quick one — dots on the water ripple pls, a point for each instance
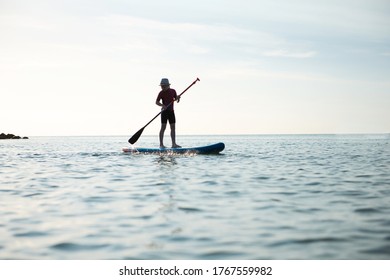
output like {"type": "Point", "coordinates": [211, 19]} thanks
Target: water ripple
{"type": "Point", "coordinates": [31, 234]}
{"type": "Point", "coordinates": [68, 246]}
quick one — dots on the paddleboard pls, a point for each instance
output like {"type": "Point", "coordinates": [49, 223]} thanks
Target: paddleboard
{"type": "Point", "coordinates": [210, 149]}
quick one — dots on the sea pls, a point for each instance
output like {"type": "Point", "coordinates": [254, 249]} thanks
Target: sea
{"type": "Point", "coordinates": [269, 197]}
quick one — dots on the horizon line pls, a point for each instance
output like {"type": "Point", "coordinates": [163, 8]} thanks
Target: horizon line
{"type": "Point", "coordinates": [218, 134]}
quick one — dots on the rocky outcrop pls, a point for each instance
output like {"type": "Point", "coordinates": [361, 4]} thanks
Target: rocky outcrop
{"type": "Point", "coordinates": [11, 136]}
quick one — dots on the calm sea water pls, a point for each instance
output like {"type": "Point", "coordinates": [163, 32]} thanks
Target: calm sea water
{"type": "Point", "coordinates": [264, 197]}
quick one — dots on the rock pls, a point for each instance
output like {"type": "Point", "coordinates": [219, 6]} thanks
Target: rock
{"type": "Point", "coordinates": [11, 136]}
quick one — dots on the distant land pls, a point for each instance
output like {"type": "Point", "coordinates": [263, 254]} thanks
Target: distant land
{"type": "Point", "coordinates": [11, 136]}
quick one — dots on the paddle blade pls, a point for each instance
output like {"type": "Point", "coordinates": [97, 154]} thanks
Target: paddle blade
{"type": "Point", "coordinates": [136, 136]}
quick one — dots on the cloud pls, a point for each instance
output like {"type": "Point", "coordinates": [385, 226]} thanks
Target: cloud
{"type": "Point", "coordinates": [132, 38]}
{"type": "Point", "coordinates": [198, 50]}
{"type": "Point", "coordinates": [27, 22]}
{"type": "Point", "coordinates": [212, 40]}
{"type": "Point", "coordinates": [291, 54]}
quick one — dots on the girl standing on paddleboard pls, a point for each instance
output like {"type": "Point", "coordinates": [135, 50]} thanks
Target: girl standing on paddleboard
{"type": "Point", "coordinates": [167, 95]}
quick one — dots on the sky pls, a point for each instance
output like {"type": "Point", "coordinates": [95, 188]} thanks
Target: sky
{"type": "Point", "coordinates": [93, 67]}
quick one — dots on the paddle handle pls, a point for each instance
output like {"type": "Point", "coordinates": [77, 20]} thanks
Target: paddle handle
{"type": "Point", "coordinates": [193, 83]}
{"type": "Point", "coordinates": [136, 136]}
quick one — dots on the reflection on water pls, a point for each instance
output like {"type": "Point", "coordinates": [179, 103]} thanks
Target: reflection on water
{"type": "Point", "coordinates": [166, 160]}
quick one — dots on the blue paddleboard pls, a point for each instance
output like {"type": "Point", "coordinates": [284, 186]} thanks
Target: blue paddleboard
{"type": "Point", "coordinates": [210, 149]}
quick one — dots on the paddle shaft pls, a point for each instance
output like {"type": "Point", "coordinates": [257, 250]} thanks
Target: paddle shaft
{"type": "Point", "coordinates": [136, 136]}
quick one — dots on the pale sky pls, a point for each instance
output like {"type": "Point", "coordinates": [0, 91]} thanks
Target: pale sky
{"type": "Point", "coordinates": [93, 67]}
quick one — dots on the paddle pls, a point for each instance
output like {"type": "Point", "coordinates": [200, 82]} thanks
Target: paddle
{"type": "Point", "coordinates": [137, 135]}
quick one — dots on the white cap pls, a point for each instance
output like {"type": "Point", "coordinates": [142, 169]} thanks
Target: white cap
{"type": "Point", "coordinates": [165, 82]}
